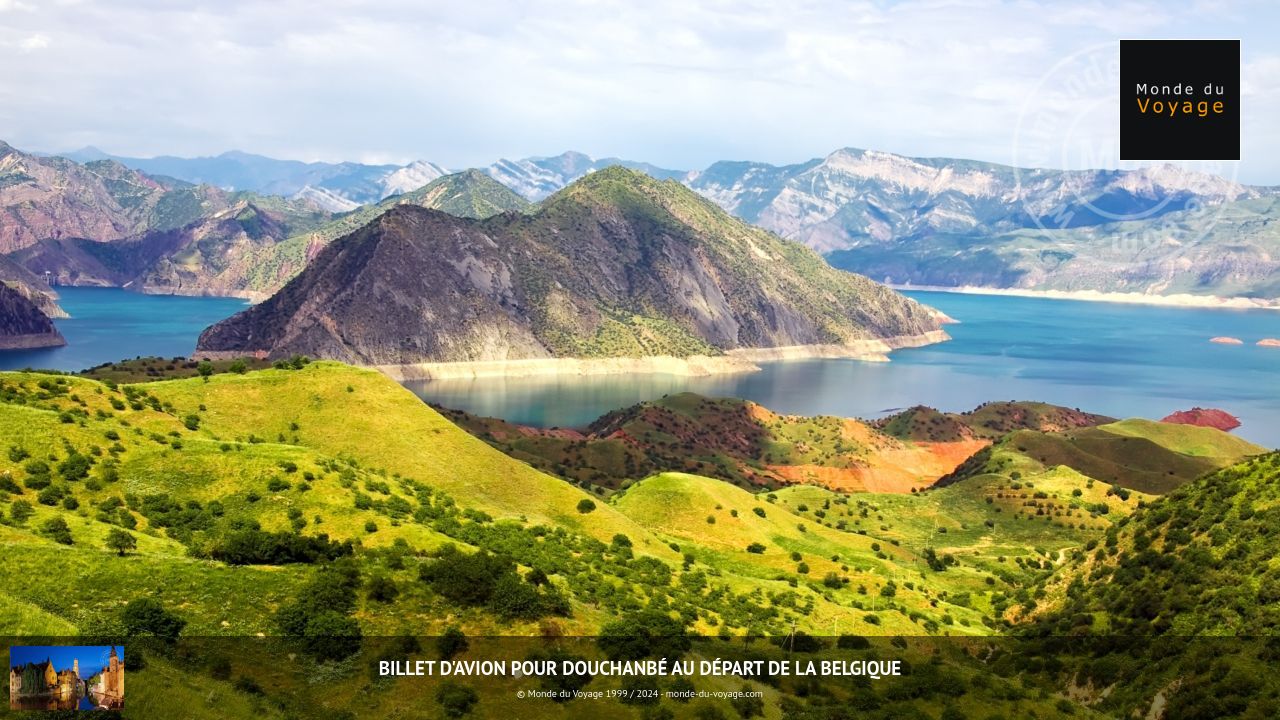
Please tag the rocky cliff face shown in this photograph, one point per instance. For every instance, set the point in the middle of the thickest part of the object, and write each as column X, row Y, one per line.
column 23, row 325
column 615, row 265
column 32, row 286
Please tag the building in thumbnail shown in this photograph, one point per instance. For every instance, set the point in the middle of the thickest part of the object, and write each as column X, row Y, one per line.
column 69, row 680
column 33, row 678
column 110, row 688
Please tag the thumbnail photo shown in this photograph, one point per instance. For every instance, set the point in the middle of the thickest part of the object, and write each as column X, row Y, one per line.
column 66, row 677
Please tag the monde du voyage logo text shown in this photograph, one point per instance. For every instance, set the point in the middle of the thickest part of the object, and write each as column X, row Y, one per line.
column 1180, row 99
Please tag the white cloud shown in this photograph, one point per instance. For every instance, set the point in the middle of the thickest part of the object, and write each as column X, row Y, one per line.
column 38, row 41
column 676, row 82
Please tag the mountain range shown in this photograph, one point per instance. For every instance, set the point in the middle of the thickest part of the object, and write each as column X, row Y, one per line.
column 52, row 197
column 615, row 265
column 256, row 221
column 242, row 243
column 344, row 186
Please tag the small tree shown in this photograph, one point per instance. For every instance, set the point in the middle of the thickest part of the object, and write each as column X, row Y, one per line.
column 121, row 541
column 586, row 505
column 20, row 511
column 145, row 616
column 647, row 633
column 238, row 366
column 452, row 642
column 205, row 369
column 382, row 589
column 332, row 636
column 456, row 700
column 748, row 704
column 57, row 530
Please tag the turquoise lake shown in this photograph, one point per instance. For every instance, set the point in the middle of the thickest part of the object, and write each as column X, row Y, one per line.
column 1114, row 359
column 109, row 324
column 1122, row 360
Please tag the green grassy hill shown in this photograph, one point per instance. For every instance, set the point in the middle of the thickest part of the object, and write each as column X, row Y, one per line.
column 187, row 466
column 1142, row 455
column 1181, row 600
column 1198, row 561
column 989, row 421
column 248, row 495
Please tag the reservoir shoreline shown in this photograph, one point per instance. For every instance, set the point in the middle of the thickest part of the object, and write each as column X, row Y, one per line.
column 742, row 360
column 1183, row 300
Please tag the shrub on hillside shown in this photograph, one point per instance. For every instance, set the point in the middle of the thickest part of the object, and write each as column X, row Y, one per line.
column 456, row 700
column 121, row 541
column 321, row 616
column 257, row 547
column 452, row 642
column 484, row 579
column 331, row 635
column 56, row 529
column 144, row 616
column 648, row 633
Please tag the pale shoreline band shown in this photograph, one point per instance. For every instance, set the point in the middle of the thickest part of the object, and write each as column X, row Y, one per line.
column 1133, row 298
column 734, row 361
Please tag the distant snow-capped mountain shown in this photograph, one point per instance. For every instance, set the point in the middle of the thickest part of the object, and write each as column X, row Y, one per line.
column 899, row 219
column 537, row 177
column 343, row 186
column 852, row 197
column 410, row 177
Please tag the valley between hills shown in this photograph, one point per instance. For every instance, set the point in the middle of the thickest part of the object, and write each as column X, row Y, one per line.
column 277, row 487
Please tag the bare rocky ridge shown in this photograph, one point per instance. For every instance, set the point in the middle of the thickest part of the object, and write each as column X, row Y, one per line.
column 615, row 265
column 33, row 287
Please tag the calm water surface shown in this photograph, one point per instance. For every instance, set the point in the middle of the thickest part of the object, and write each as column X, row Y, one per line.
column 109, row 324
column 1121, row 360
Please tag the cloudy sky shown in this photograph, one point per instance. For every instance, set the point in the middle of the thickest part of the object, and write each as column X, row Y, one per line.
column 679, row 83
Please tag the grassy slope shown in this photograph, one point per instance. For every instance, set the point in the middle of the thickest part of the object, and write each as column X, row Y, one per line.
column 309, row 418
column 220, row 599
column 411, row 439
column 1142, row 455
column 1199, row 561
column 251, row 425
column 678, row 506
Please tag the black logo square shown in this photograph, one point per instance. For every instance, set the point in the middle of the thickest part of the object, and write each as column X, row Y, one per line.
column 1179, row 99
